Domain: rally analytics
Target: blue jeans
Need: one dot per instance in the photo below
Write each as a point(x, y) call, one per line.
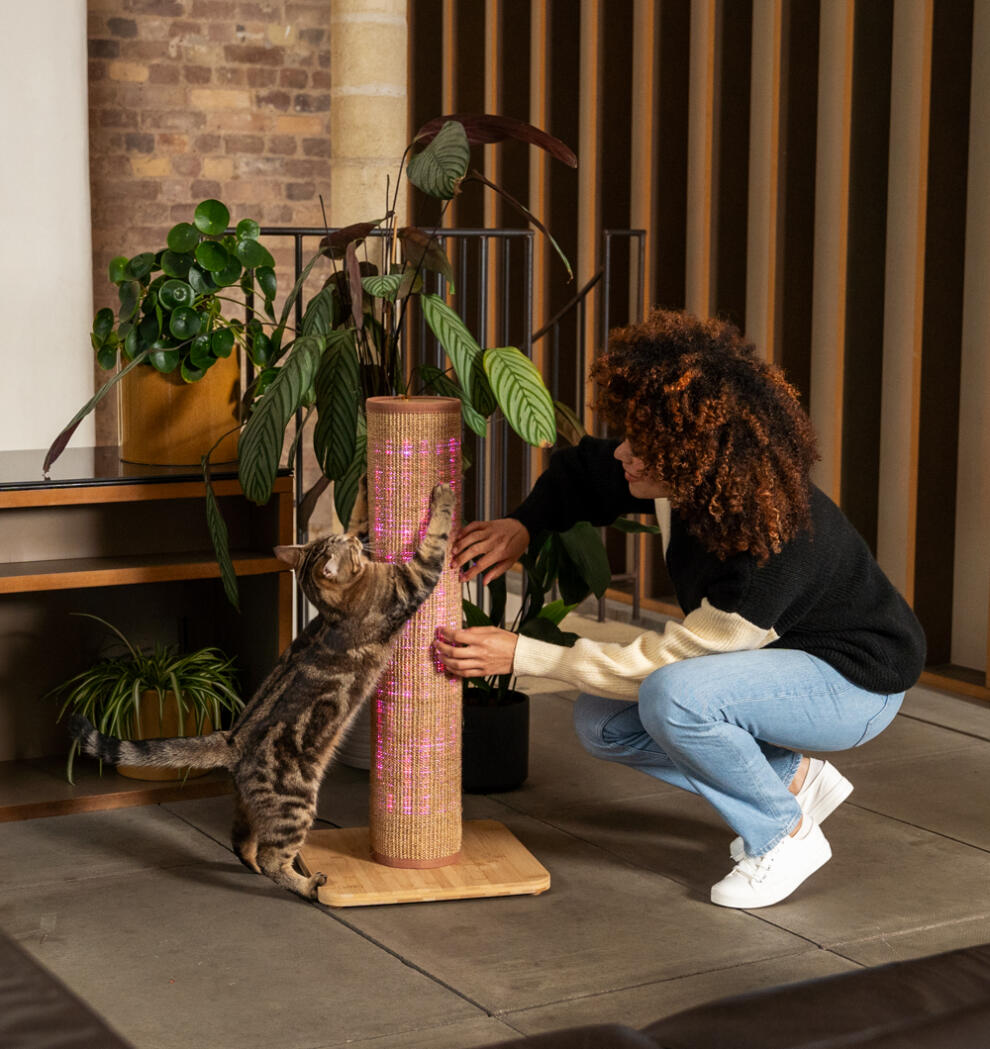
point(731, 727)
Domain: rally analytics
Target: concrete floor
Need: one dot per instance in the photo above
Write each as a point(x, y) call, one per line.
point(146, 914)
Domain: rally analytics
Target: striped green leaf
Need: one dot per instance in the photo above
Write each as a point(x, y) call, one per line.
point(439, 168)
point(221, 543)
point(345, 491)
point(321, 312)
point(382, 285)
point(437, 381)
point(260, 447)
point(463, 350)
point(521, 394)
point(338, 396)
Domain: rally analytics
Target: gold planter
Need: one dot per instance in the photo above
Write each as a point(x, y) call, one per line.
point(415, 807)
point(153, 725)
point(165, 421)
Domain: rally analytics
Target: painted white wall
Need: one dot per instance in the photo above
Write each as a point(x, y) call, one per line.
point(46, 285)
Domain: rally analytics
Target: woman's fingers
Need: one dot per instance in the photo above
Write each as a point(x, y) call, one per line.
point(476, 651)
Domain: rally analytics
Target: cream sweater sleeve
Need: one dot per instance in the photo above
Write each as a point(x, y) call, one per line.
point(616, 671)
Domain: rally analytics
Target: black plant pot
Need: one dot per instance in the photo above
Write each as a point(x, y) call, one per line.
point(495, 742)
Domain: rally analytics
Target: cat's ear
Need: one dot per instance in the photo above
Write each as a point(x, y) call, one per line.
point(290, 555)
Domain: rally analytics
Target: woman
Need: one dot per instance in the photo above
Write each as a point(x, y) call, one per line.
point(792, 639)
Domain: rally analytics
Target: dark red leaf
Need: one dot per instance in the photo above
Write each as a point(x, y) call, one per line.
point(335, 245)
point(489, 127)
point(355, 285)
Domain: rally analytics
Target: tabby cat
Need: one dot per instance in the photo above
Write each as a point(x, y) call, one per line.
point(281, 743)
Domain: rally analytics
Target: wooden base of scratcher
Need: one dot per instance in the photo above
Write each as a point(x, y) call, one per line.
point(493, 862)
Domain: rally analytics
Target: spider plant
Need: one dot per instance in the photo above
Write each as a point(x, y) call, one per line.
point(109, 692)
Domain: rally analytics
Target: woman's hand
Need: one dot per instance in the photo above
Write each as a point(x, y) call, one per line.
point(494, 545)
point(478, 651)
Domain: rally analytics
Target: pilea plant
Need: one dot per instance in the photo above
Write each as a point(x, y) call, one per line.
point(174, 305)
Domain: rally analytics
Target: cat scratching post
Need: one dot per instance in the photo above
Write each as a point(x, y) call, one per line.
point(416, 846)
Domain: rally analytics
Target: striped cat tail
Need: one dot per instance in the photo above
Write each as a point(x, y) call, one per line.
point(202, 752)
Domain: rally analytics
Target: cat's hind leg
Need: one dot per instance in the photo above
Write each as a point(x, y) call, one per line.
point(277, 860)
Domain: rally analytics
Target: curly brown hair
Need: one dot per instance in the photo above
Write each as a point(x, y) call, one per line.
point(722, 429)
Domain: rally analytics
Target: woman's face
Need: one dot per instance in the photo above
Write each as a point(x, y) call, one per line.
point(641, 484)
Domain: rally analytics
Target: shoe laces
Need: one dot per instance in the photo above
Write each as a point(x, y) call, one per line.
point(757, 868)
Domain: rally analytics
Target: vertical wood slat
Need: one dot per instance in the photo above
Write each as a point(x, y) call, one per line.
point(643, 161)
point(589, 168)
point(764, 176)
point(971, 575)
point(539, 160)
point(701, 131)
point(835, 86)
point(448, 79)
point(904, 291)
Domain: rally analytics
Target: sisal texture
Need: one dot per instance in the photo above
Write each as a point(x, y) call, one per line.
point(415, 774)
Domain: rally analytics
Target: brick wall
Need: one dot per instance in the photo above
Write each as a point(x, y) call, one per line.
point(192, 99)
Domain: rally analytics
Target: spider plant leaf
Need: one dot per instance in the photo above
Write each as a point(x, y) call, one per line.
point(260, 446)
point(439, 168)
point(521, 394)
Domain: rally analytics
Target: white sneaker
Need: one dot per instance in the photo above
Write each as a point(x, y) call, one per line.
point(823, 791)
point(759, 881)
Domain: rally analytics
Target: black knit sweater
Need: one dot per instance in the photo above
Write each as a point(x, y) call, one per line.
point(823, 593)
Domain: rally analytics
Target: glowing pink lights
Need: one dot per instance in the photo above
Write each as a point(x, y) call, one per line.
point(416, 713)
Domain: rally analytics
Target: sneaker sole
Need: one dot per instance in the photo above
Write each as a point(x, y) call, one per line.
point(819, 811)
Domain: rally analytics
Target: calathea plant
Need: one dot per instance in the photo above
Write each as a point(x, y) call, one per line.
point(352, 341)
point(174, 305)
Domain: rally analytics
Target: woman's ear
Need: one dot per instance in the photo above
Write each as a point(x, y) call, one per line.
point(290, 555)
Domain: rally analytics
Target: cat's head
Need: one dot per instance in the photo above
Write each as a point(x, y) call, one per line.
point(326, 566)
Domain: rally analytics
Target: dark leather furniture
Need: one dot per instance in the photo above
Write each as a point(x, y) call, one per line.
point(938, 1002)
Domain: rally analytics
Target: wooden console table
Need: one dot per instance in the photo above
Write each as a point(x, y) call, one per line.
point(128, 543)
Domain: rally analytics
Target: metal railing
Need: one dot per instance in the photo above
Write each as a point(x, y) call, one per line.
point(492, 290)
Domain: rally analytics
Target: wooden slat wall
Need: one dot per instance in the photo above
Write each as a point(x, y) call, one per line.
point(804, 168)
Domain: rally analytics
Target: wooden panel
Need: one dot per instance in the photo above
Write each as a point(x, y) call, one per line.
point(945, 236)
point(123, 493)
point(971, 573)
point(828, 324)
point(730, 161)
point(701, 130)
point(865, 265)
point(764, 167)
point(643, 165)
point(74, 573)
point(904, 291)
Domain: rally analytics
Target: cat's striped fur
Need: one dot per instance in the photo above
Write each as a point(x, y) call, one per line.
point(281, 743)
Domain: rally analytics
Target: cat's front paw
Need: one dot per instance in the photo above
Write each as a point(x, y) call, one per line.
point(442, 499)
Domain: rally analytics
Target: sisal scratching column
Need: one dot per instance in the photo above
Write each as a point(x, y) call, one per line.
point(416, 847)
point(415, 803)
